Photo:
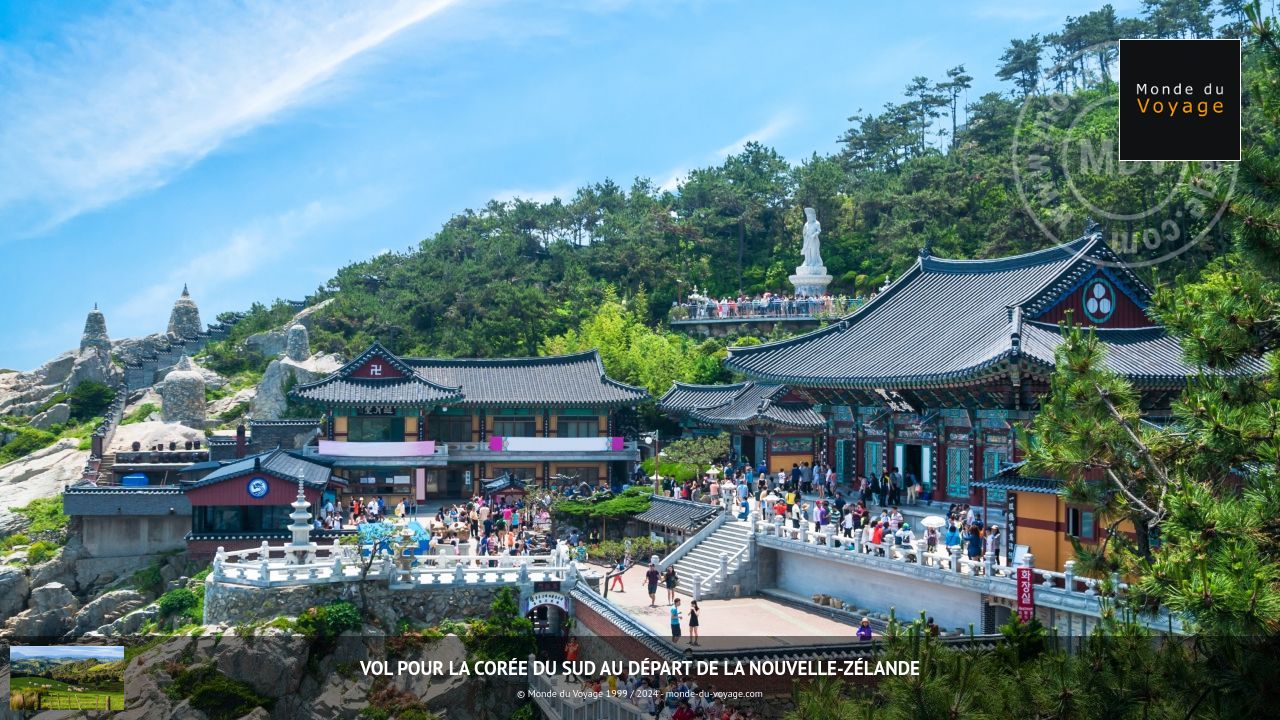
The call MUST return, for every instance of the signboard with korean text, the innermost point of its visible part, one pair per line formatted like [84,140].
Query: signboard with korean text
[1026,595]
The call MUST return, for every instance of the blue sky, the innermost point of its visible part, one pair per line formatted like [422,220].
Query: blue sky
[61,652]
[252,149]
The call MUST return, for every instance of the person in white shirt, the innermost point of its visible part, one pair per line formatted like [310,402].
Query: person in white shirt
[905,536]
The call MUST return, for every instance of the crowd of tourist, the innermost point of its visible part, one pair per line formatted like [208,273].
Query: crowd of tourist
[786,496]
[766,305]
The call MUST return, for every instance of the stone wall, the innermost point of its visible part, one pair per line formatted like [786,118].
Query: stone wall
[108,537]
[289,435]
[239,604]
[805,575]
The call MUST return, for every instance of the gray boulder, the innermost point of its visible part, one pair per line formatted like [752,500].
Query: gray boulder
[270,343]
[129,623]
[50,625]
[54,596]
[13,591]
[270,401]
[57,415]
[108,608]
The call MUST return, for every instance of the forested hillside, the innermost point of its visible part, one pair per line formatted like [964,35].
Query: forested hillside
[931,170]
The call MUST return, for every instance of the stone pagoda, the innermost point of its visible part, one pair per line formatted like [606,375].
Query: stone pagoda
[184,320]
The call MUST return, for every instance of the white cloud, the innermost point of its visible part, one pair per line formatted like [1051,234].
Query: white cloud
[763,134]
[129,99]
[246,251]
[772,128]
[564,191]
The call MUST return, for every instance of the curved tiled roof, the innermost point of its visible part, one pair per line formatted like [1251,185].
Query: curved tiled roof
[556,380]
[1142,354]
[954,321]
[673,513]
[683,397]
[404,391]
[280,463]
[341,388]
[942,318]
[755,405]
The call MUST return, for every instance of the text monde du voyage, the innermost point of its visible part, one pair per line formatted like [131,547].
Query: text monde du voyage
[1181,99]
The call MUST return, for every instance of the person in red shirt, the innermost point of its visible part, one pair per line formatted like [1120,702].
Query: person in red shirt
[877,535]
[780,508]
[683,712]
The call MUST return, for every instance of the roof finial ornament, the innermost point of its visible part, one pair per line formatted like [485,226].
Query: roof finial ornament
[95,305]
[1091,227]
[184,291]
[926,250]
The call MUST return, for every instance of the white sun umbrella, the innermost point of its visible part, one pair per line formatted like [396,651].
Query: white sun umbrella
[714,470]
[934,521]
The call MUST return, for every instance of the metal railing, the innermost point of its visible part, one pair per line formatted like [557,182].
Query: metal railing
[775,308]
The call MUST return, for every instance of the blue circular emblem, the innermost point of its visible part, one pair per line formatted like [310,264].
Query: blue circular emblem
[258,487]
[1099,300]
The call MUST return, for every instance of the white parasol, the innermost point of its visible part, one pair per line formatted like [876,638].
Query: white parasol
[934,521]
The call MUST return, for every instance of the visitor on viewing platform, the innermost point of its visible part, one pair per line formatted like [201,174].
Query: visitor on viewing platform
[864,630]
[765,305]
[974,543]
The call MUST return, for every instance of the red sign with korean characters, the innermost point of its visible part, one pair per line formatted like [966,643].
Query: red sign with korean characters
[1026,595]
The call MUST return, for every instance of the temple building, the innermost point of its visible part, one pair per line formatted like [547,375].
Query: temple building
[766,422]
[418,428]
[941,373]
[239,504]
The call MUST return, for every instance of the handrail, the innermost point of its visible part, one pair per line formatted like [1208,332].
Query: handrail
[944,561]
[728,565]
[717,521]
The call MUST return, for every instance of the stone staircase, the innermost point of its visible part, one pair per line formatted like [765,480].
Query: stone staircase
[704,559]
[104,468]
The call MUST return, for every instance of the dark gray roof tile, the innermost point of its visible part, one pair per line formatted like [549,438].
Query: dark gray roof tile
[673,513]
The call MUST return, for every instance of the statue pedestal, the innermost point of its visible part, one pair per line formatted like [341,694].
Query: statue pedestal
[811,281]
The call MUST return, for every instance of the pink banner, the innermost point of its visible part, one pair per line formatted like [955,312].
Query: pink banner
[377,449]
[562,445]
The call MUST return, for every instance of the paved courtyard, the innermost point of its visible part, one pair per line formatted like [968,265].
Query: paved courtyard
[734,623]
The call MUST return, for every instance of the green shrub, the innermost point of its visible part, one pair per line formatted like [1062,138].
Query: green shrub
[148,579]
[41,551]
[215,694]
[44,514]
[90,398]
[140,413]
[641,549]
[14,540]
[328,621]
[26,441]
[234,412]
[177,601]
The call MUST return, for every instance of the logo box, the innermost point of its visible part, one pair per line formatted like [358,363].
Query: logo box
[1180,100]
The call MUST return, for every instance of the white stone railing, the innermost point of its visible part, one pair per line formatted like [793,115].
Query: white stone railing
[692,541]
[728,565]
[945,562]
[288,565]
